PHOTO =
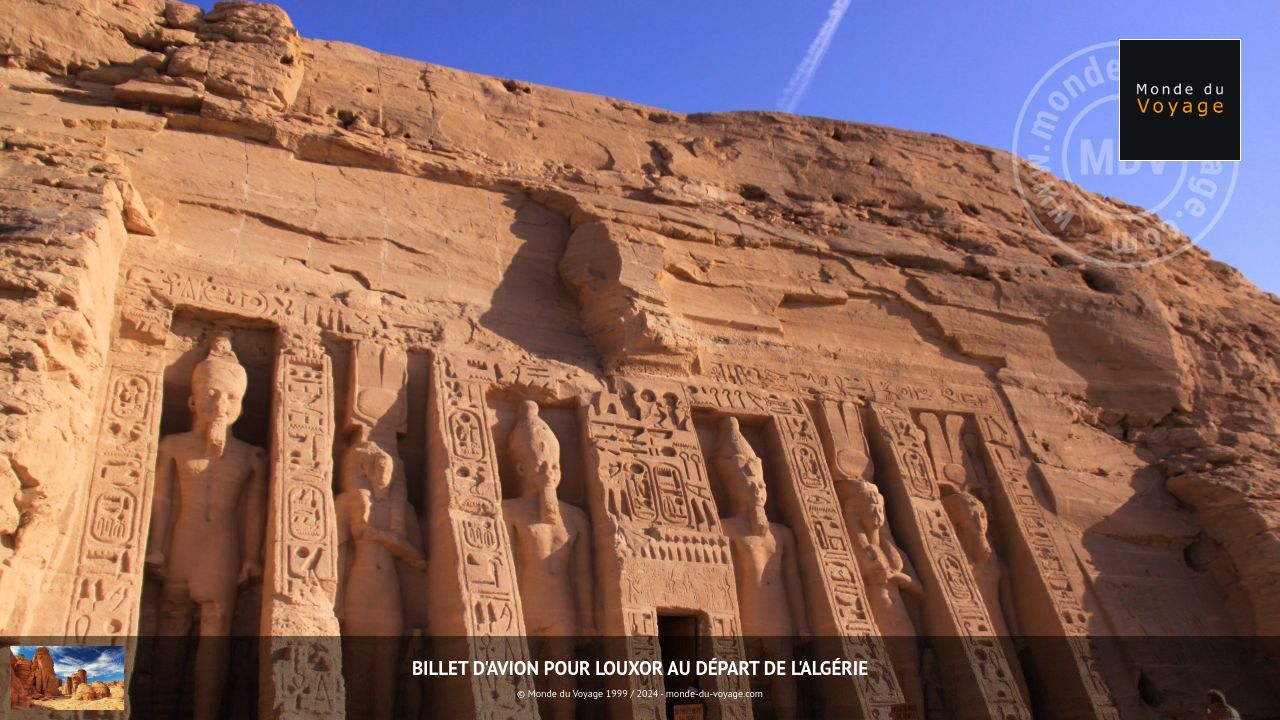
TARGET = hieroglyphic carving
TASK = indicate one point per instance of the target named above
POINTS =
(823, 543)
(651, 496)
(174, 286)
(651, 469)
(301, 668)
(108, 558)
(840, 385)
(470, 547)
(647, 691)
(1010, 490)
(957, 606)
(792, 380)
(813, 493)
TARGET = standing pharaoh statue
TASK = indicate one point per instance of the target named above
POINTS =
(551, 543)
(208, 520)
(770, 597)
(375, 532)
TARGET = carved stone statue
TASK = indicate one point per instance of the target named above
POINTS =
(770, 595)
(213, 542)
(886, 575)
(551, 543)
(374, 534)
(969, 518)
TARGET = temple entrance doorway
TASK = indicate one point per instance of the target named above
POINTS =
(678, 637)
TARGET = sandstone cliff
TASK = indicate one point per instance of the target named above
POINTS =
(605, 237)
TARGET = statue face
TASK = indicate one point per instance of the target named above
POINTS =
(750, 477)
(875, 508)
(980, 518)
(540, 467)
(216, 396)
(547, 470)
(379, 469)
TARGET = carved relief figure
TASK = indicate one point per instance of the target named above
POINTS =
(551, 543)
(887, 576)
(954, 453)
(208, 519)
(770, 596)
(969, 518)
(373, 534)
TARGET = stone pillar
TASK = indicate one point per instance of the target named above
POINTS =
(107, 547)
(107, 563)
(837, 599)
(1049, 603)
(977, 676)
(657, 536)
(301, 654)
(474, 598)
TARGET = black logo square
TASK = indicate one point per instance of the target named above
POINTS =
(1179, 100)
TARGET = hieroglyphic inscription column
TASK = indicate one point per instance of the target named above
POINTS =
(107, 552)
(473, 580)
(658, 537)
(978, 678)
(1050, 602)
(825, 548)
(839, 609)
(301, 660)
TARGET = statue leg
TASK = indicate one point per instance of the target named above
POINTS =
(169, 650)
(783, 686)
(213, 655)
(384, 677)
(561, 648)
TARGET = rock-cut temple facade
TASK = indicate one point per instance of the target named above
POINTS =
(351, 354)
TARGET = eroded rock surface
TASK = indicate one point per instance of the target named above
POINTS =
(165, 173)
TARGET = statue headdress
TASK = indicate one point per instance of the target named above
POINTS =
(731, 443)
(532, 437)
(221, 359)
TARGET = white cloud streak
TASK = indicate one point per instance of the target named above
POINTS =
(808, 67)
(105, 666)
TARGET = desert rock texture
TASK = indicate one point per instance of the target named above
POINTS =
(329, 344)
(34, 684)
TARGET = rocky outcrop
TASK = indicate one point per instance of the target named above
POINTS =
(33, 679)
(75, 680)
(44, 681)
(19, 681)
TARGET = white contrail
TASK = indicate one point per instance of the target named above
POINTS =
(808, 67)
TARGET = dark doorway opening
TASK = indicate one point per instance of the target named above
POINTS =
(678, 638)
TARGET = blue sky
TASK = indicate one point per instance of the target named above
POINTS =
(101, 663)
(960, 69)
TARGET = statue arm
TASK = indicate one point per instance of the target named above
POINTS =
(409, 539)
(161, 506)
(406, 550)
(344, 552)
(583, 581)
(255, 520)
(795, 590)
(1007, 606)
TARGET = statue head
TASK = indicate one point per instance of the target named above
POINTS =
(367, 466)
(740, 467)
(534, 450)
(218, 384)
(869, 503)
(969, 518)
